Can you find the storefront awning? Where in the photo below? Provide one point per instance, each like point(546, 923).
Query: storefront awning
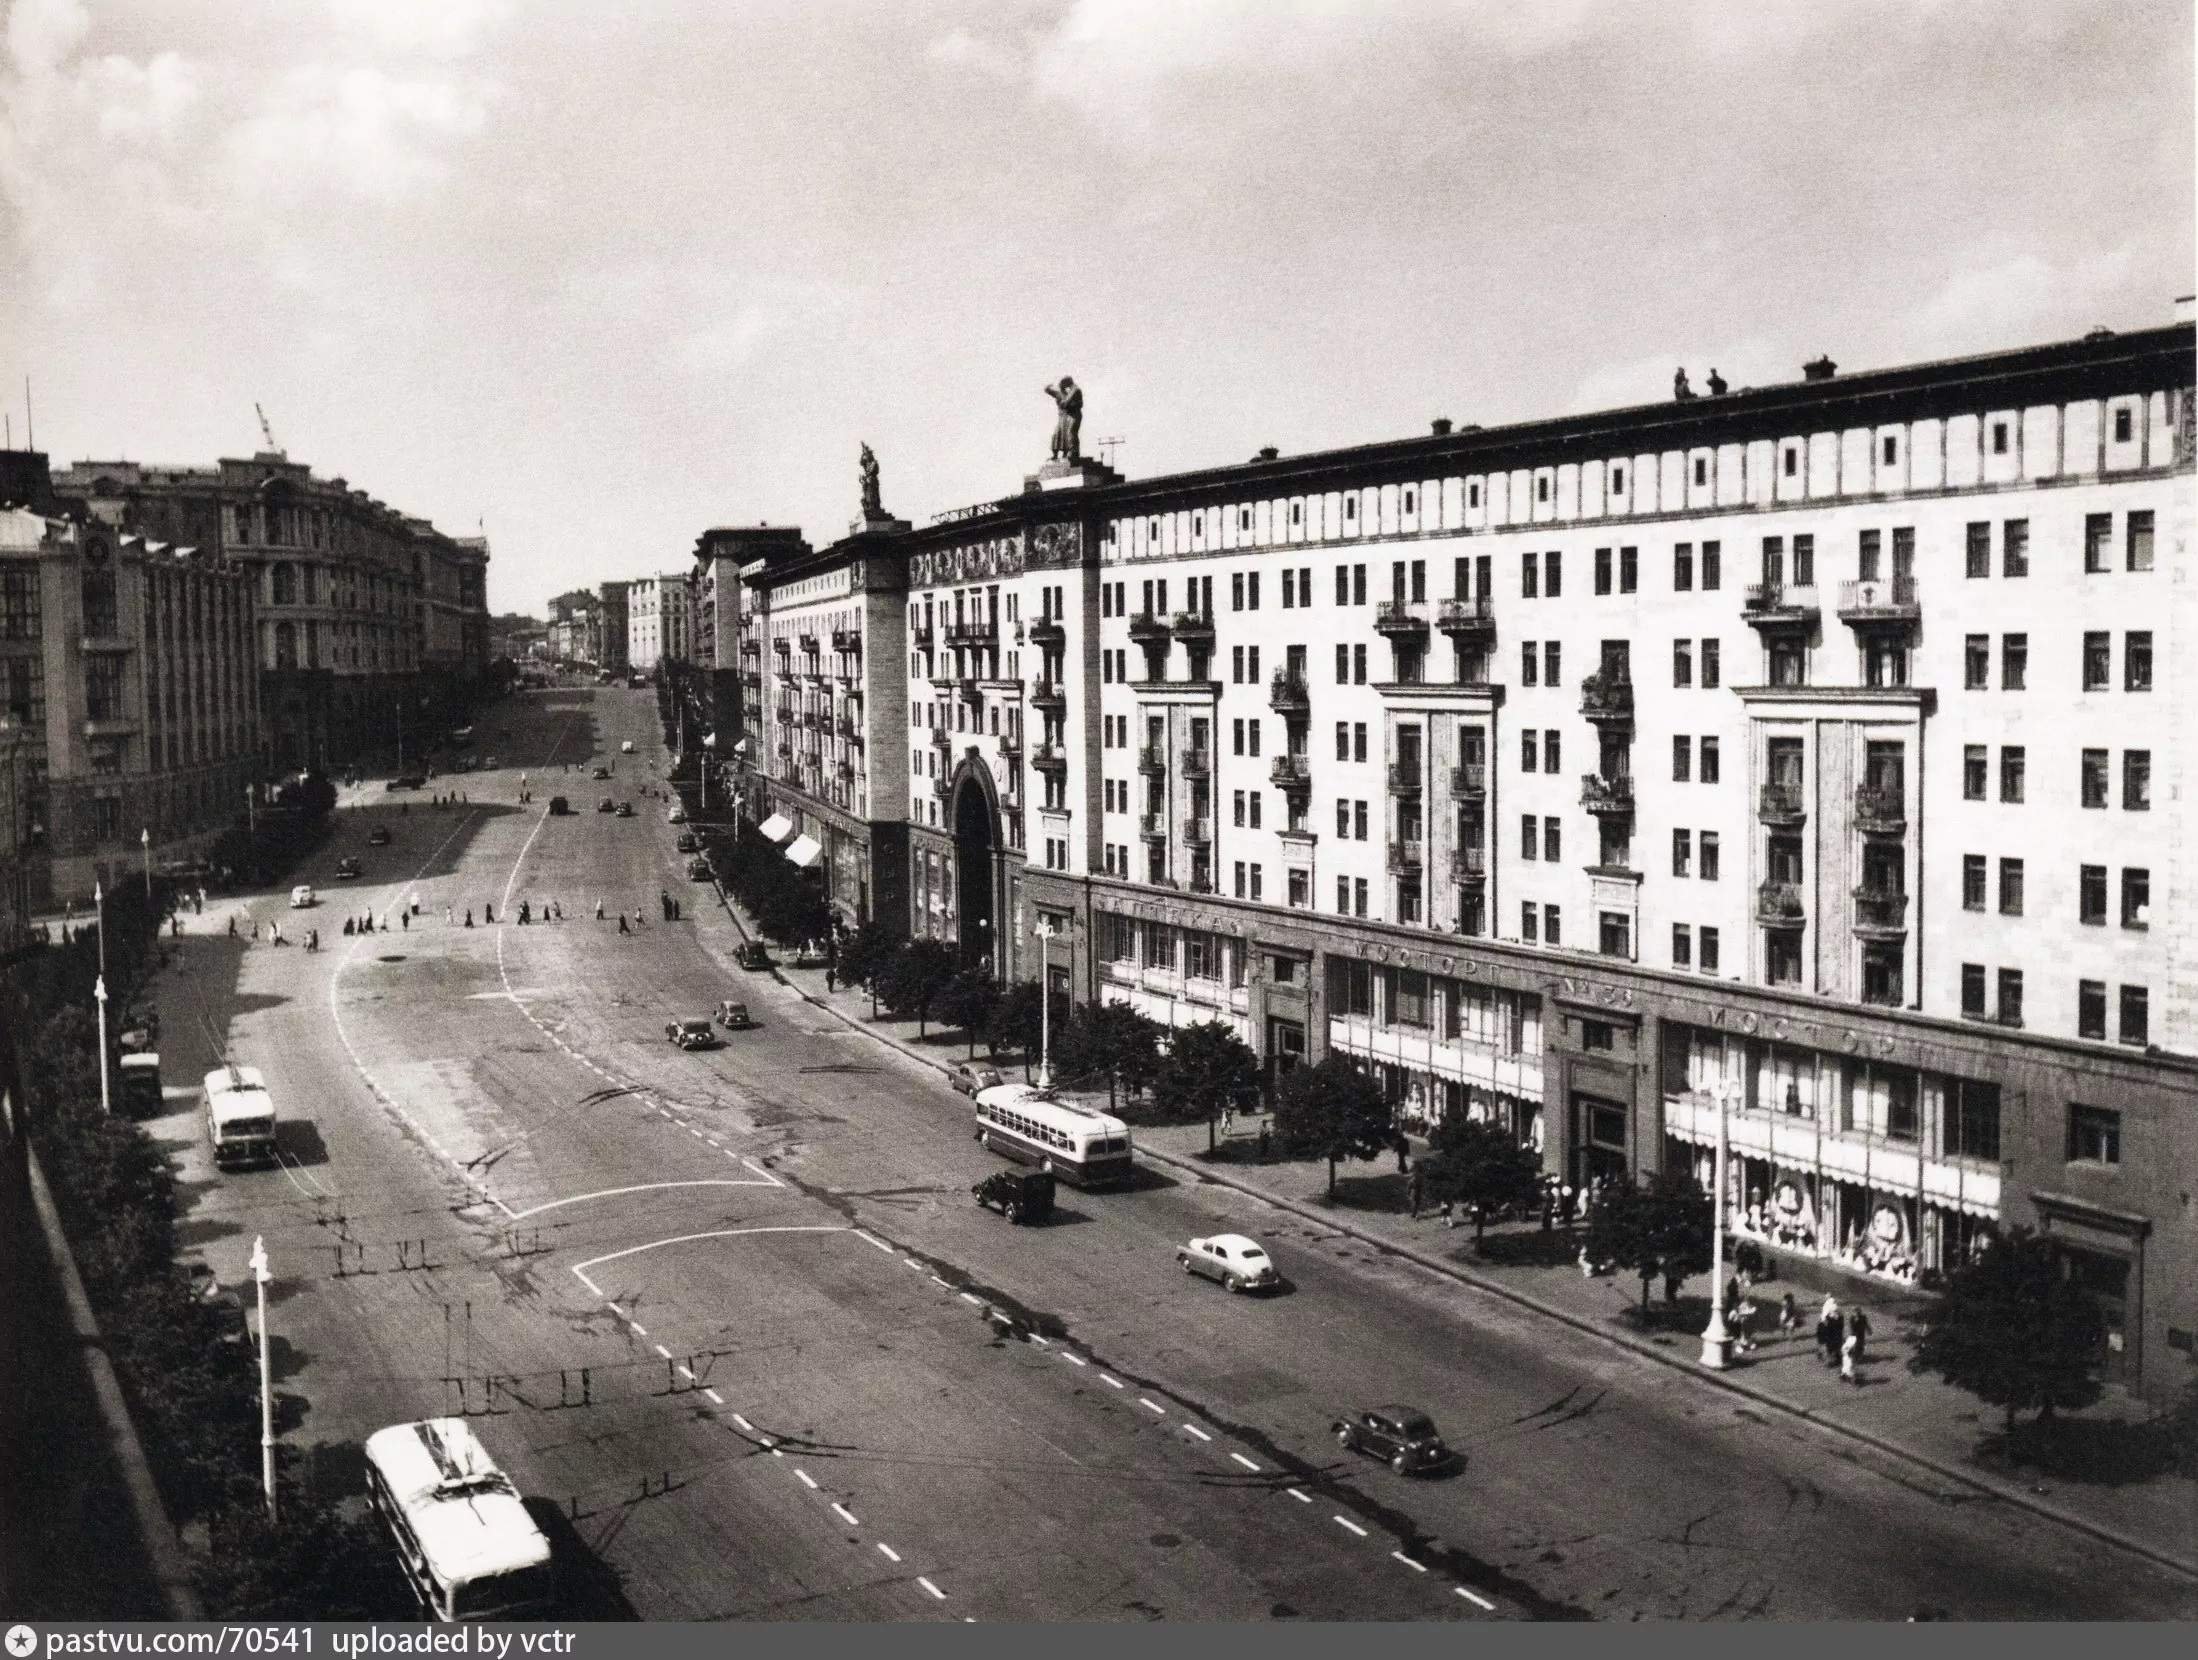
point(804, 851)
point(778, 827)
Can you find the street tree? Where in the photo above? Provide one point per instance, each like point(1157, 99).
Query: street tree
point(1015, 1023)
point(2012, 1330)
point(1117, 1040)
point(913, 979)
point(1332, 1111)
point(1207, 1068)
point(864, 952)
point(1661, 1229)
point(967, 1000)
point(1480, 1165)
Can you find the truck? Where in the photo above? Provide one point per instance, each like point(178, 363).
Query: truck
point(140, 1080)
point(240, 1116)
point(1018, 1195)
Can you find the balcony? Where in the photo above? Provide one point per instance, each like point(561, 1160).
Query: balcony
point(1193, 628)
point(1607, 699)
point(1153, 827)
point(1049, 757)
point(1469, 621)
point(808, 638)
point(849, 728)
point(1201, 882)
point(1153, 760)
point(1469, 782)
point(1606, 795)
point(785, 749)
point(846, 639)
point(1770, 605)
point(965, 687)
point(1287, 694)
point(749, 648)
point(1778, 906)
point(1048, 632)
point(1048, 694)
point(1782, 806)
point(943, 785)
point(1880, 914)
point(1407, 858)
point(942, 739)
point(1291, 772)
point(1149, 630)
point(1011, 743)
point(1469, 864)
point(1881, 810)
point(1198, 832)
point(921, 633)
point(1406, 777)
point(1399, 617)
point(1197, 763)
point(972, 631)
point(1879, 603)
point(846, 771)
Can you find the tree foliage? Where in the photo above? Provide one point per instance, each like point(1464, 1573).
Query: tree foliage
point(2012, 1330)
point(914, 977)
point(1015, 1022)
point(967, 1001)
point(1661, 1229)
point(864, 951)
point(1480, 1165)
point(1332, 1111)
point(1111, 1041)
point(1207, 1068)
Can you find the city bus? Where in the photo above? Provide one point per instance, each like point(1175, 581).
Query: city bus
point(1077, 1144)
point(240, 1116)
point(466, 1541)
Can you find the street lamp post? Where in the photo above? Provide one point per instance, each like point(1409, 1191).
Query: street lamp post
point(251, 829)
point(260, 1276)
point(99, 908)
point(145, 845)
point(1045, 932)
point(99, 996)
point(1716, 1340)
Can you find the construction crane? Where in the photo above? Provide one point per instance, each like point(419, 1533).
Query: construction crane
point(266, 431)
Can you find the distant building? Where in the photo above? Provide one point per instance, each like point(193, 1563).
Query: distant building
point(612, 625)
point(659, 620)
point(720, 655)
point(131, 701)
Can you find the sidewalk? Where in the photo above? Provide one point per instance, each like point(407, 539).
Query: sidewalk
point(1911, 1417)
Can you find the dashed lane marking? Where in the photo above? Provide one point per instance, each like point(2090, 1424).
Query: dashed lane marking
point(928, 1586)
point(935, 1280)
point(744, 1424)
point(1478, 1602)
point(874, 1240)
point(888, 1552)
point(1416, 1567)
point(715, 1398)
point(1241, 1459)
point(1351, 1526)
point(1152, 1406)
point(1193, 1429)
point(807, 1480)
point(968, 1297)
point(639, 1329)
point(1074, 1360)
point(846, 1515)
point(1111, 1381)
point(1042, 1342)
point(664, 1352)
point(1299, 1494)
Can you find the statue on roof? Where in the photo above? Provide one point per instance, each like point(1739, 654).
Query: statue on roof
point(1068, 427)
point(871, 509)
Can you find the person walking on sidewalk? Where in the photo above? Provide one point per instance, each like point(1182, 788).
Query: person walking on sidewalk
point(622, 928)
point(1858, 1327)
point(1789, 1317)
point(1849, 1347)
point(1415, 1189)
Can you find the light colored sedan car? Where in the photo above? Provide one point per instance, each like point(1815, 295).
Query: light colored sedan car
point(968, 1077)
point(678, 815)
point(1239, 1263)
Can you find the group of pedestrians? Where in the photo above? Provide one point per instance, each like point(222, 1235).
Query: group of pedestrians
point(1840, 1337)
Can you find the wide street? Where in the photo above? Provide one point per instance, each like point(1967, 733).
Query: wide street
point(735, 1317)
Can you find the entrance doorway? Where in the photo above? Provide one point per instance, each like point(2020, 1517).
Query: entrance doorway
point(2104, 1279)
point(974, 844)
point(1285, 1051)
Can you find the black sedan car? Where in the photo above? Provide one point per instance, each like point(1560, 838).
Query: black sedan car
point(378, 836)
point(348, 868)
point(1403, 1437)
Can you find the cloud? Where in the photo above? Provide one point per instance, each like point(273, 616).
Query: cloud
point(428, 28)
point(354, 130)
point(963, 50)
point(701, 319)
point(2023, 298)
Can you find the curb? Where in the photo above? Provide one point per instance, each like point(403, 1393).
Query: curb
point(170, 1567)
point(1451, 1271)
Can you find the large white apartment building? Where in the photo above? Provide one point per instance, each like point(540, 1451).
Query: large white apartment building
point(659, 620)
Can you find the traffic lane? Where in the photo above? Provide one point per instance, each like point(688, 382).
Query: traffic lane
point(1042, 1481)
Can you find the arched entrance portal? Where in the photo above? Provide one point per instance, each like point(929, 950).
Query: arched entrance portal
point(975, 822)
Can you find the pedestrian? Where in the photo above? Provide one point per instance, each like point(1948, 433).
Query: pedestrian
point(1414, 1190)
point(1228, 1119)
point(469, 916)
point(599, 911)
point(350, 927)
point(1858, 1327)
point(1263, 1144)
point(448, 919)
point(1835, 1339)
point(1744, 1329)
point(1404, 1159)
point(488, 913)
point(175, 926)
point(637, 916)
point(314, 944)
point(830, 982)
point(1732, 1292)
point(1849, 1347)
point(1449, 1217)
point(622, 928)
point(404, 920)
point(1789, 1317)
point(255, 931)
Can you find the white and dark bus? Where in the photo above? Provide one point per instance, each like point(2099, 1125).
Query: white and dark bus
point(466, 1541)
point(1077, 1144)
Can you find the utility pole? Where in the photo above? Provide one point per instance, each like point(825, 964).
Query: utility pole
point(145, 844)
point(99, 905)
point(99, 996)
point(1045, 932)
point(261, 1276)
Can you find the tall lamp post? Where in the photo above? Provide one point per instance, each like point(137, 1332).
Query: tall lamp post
point(260, 1277)
point(99, 996)
point(251, 830)
point(1716, 1340)
point(99, 908)
point(145, 846)
point(1045, 932)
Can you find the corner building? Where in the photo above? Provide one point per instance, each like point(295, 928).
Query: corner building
point(1819, 750)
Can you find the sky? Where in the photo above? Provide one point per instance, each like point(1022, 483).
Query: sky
point(592, 278)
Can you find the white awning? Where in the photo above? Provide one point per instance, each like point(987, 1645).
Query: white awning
point(778, 827)
point(804, 851)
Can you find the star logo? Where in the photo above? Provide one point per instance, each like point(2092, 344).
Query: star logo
point(22, 1641)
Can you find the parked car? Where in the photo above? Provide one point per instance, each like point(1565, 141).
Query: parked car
point(968, 1077)
point(1403, 1437)
point(678, 814)
point(1238, 1262)
point(606, 805)
point(691, 1034)
point(752, 955)
point(600, 773)
point(301, 897)
point(624, 810)
point(408, 781)
point(689, 842)
point(346, 869)
point(626, 748)
point(378, 836)
point(734, 1016)
point(559, 806)
point(698, 869)
point(1018, 1195)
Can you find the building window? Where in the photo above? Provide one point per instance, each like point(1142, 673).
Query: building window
point(2094, 778)
point(1553, 573)
point(1682, 662)
point(2137, 660)
point(1529, 746)
point(2136, 780)
point(1682, 757)
point(1602, 570)
point(2010, 997)
point(2125, 424)
point(1553, 675)
point(2014, 661)
point(1973, 1123)
point(2011, 773)
point(1713, 566)
point(1975, 771)
point(1709, 855)
point(1972, 989)
point(1972, 882)
point(1979, 552)
point(1707, 771)
point(1530, 665)
point(2140, 541)
point(2091, 894)
point(1976, 662)
point(2136, 1017)
point(2094, 1134)
point(1999, 437)
point(1615, 938)
point(1552, 839)
point(1552, 926)
point(2136, 897)
point(1782, 959)
point(1529, 836)
point(1682, 945)
point(2098, 660)
point(1530, 565)
point(2010, 887)
point(1709, 950)
point(1709, 664)
point(2098, 538)
point(1682, 852)
point(2015, 548)
point(1529, 922)
point(1682, 568)
point(2091, 1009)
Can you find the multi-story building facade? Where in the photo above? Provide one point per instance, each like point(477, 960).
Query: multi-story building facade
point(1814, 754)
point(367, 620)
point(612, 626)
point(727, 681)
point(830, 683)
point(127, 679)
point(659, 620)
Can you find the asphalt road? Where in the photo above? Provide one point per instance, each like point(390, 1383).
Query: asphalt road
point(735, 1319)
